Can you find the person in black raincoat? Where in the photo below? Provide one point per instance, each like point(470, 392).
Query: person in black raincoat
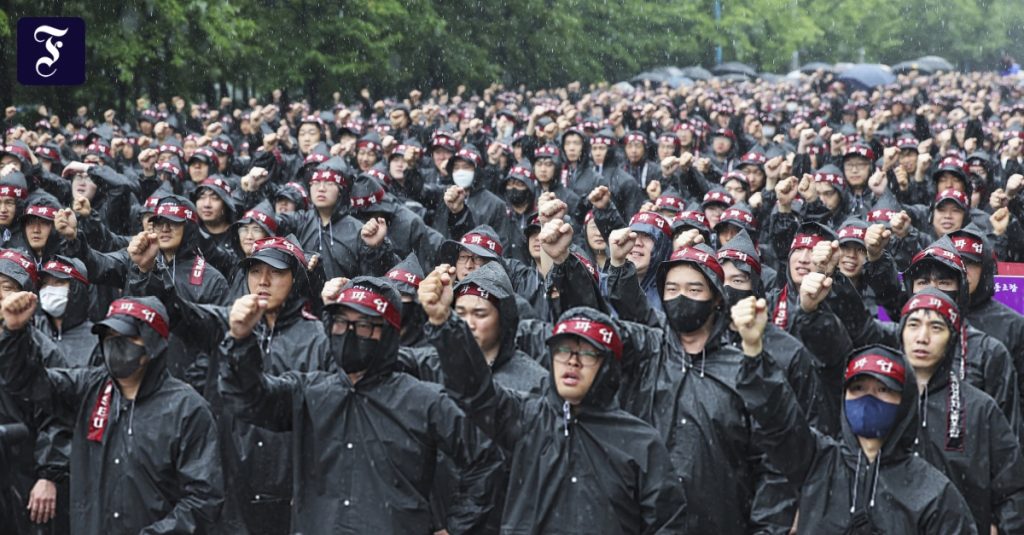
point(969, 439)
point(37, 238)
point(257, 461)
point(346, 247)
point(144, 456)
point(547, 169)
point(989, 367)
point(985, 313)
point(578, 462)
point(64, 303)
point(867, 481)
point(627, 195)
point(406, 277)
point(172, 246)
point(216, 210)
point(470, 193)
point(34, 473)
point(679, 381)
point(481, 246)
point(13, 194)
point(365, 439)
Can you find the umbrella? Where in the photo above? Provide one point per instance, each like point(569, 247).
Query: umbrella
point(734, 67)
point(907, 66)
point(815, 66)
point(623, 87)
point(654, 77)
point(670, 72)
point(733, 77)
point(696, 72)
point(676, 81)
point(867, 75)
point(771, 78)
point(935, 63)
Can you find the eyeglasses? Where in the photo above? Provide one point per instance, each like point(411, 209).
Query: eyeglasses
point(251, 231)
point(470, 258)
point(363, 328)
point(166, 224)
point(587, 359)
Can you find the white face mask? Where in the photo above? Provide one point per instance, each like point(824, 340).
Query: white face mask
point(54, 300)
point(768, 131)
point(463, 178)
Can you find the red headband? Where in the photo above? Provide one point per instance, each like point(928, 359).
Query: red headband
point(55, 267)
point(20, 259)
point(718, 197)
point(17, 149)
point(370, 200)
point(692, 254)
point(359, 295)
point(835, 180)
point(879, 364)
point(407, 277)
point(127, 307)
point(600, 334)
point(13, 192)
point(262, 218)
point(480, 239)
point(805, 241)
point(473, 289)
point(732, 254)
point(327, 175)
point(45, 212)
point(280, 244)
point(927, 302)
point(938, 252)
point(176, 210)
point(851, 231)
point(652, 219)
point(739, 215)
point(969, 245)
point(880, 215)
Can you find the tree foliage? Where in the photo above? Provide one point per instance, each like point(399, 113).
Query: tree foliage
point(312, 48)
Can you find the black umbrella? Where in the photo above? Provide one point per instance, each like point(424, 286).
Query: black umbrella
point(735, 67)
point(815, 66)
point(936, 63)
point(696, 72)
point(653, 77)
point(867, 76)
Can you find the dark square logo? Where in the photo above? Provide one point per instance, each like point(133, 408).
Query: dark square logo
point(51, 51)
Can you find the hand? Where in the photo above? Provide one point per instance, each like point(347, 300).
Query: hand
point(749, 318)
point(889, 158)
point(332, 289)
point(902, 178)
point(755, 200)
point(455, 199)
point(82, 206)
point(669, 166)
point(42, 501)
point(806, 188)
point(74, 168)
point(66, 224)
point(653, 189)
point(1000, 219)
point(878, 183)
point(270, 142)
point(685, 160)
point(785, 192)
point(620, 243)
point(900, 224)
point(254, 179)
point(551, 210)
point(284, 134)
point(813, 290)
point(555, 239)
point(924, 161)
point(875, 241)
point(825, 256)
point(970, 144)
point(998, 199)
point(143, 250)
point(17, 310)
point(314, 261)
point(374, 231)
point(704, 165)
point(1013, 184)
point(436, 295)
point(806, 136)
point(687, 238)
point(245, 313)
point(147, 159)
point(600, 197)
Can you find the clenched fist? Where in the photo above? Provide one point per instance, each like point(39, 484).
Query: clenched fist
point(455, 199)
point(17, 310)
point(66, 224)
point(143, 250)
point(749, 318)
point(555, 239)
point(374, 231)
point(436, 295)
point(332, 289)
point(620, 243)
point(814, 289)
point(875, 240)
point(245, 313)
point(600, 197)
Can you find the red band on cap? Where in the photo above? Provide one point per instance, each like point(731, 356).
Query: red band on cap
point(953, 195)
point(853, 232)
point(691, 254)
point(879, 364)
point(402, 275)
point(881, 215)
point(168, 167)
point(21, 151)
point(216, 183)
point(127, 307)
point(830, 178)
point(940, 253)
point(28, 265)
point(735, 214)
point(176, 210)
point(358, 295)
point(56, 267)
point(732, 254)
point(13, 192)
point(315, 157)
point(718, 197)
point(281, 244)
point(473, 289)
point(262, 218)
point(693, 216)
point(327, 175)
point(45, 212)
point(805, 241)
point(969, 245)
point(669, 201)
point(600, 334)
point(372, 199)
point(630, 138)
point(367, 144)
point(927, 302)
point(652, 219)
point(481, 240)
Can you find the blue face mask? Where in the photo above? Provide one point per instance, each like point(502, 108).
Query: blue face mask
point(870, 417)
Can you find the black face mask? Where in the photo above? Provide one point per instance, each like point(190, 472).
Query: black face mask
point(121, 356)
point(686, 315)
point(733, 295)
point(815, 210)
point(353, 353)
point(518, 197)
